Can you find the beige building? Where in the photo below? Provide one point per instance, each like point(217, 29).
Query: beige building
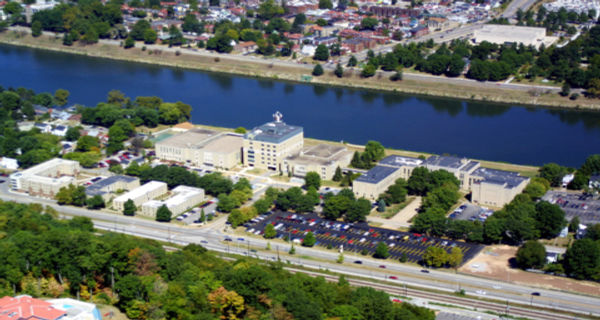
point(488, 186)
point(108, 186)
point(198, 147)
point(322, 159)
point(375, 182)
point(267, 146)
point(139, 195)
point(508, 34)
point(45, 179)
point(496, 187)
point(183, 198)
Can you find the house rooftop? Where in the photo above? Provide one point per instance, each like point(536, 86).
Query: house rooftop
point(26, 307)
point(500, 177)
point(376, 174)
point(97, 188)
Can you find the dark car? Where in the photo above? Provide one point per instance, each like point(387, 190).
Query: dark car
point(382, 266)
point(358, 262)
point(425, 271)
point(535, 294)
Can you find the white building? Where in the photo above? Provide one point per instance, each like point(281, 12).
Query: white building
point(45, 179)
point(9, 163)
point(139, 195)
point(183, 199)
point(76, 310)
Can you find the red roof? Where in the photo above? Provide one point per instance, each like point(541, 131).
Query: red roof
point(26, 307)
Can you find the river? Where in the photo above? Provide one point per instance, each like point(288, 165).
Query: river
point(477, 130)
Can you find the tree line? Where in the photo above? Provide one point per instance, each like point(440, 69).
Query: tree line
point(46, 257)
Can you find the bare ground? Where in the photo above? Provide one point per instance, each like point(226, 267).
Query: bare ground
point(493, 263)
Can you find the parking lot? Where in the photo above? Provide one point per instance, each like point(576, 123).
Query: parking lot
point(471, 212)
point(576, 204)
point(355, 237)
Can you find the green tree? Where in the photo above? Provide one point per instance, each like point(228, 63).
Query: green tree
point(312, 179)
point(550, 219)
point(337, 176)
point(553, 173)
point(582, 259)
point(381, 251)
point(435, 256)
point(531, 254)
point(129, 43)
point(381, 205)
point(368, 70)
point(325, 4)
point(339, 71)
point(73, 133)
point(352, 62)
point(129, 208)
point(163, 214)
point(36, 28)
point(321, 53)
point(455, 257)
point(368, 23)
point(240, 130)
point(61, 97)
point(317, 70)
point(574, 224)
point(270, 231)
point(309, 240)
point(95, 202)
point(202, 216)
point(149, 36)
point(375, 150)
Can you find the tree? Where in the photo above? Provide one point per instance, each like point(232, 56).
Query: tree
point(368, 23)
point(312, 179)
point(368, 70)
point(337, 176)
point(95, 202)
point(352, 62)
point(381, 252)
point(321, 53)
point(325, 4)
point(381, 206)
point(565, 89)
point(270, 231)
point(532, 254)
point(435, 256)
point(397, 76)
point(553, 173)
point(73, 134)
point(129, 43)
point(163, 214)
point(339, 71)
point(582, 259)
point(309, 240)
point(574, 224)
point(358, 211)
point(36, 29)
point(455, 257)
point(129, 208)
point(317, 70)
point(550, 219)
point(150, 36)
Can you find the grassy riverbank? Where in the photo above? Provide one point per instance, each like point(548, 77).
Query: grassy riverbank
point(236, 65)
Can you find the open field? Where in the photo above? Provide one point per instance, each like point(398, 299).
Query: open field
point(275, 69)
point(494, 263)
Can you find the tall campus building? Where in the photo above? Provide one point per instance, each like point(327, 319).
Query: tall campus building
point(266, 146)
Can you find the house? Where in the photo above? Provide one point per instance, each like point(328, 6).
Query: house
point(246, 47)
point(60, 130)
point(594, 182)
point(44, 127)
point(359, 44)
point(26, 307)
point(419, 31)
point(9, 163)
point(567, 179)
point(25, 125)
point(325, 40)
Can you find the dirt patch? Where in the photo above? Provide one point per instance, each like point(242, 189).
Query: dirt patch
point(111, 313)
point(494, 263)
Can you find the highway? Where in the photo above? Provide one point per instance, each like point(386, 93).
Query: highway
point(212, 237)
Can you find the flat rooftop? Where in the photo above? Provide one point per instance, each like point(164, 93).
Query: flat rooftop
point(273, 132)
point(141, 190)
point(181, 195)
point(191, 138)
point(323, 151)
point(97, 187)
point(501, 177)
point(225, 144)
point(445, 161)
point(400, 161)
point(376, 174)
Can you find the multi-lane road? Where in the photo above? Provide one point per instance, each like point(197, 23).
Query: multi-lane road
point(212, 237)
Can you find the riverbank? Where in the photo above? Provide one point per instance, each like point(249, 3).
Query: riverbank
point(277, 70)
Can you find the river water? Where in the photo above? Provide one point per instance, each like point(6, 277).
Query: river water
point(486, 131)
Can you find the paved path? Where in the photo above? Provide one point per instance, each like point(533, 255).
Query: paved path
point(400, 219)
